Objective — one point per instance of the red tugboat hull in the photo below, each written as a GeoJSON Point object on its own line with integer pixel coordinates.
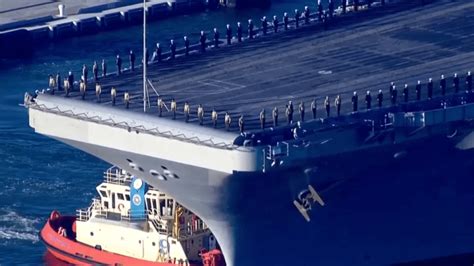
{"type": "Point", "coordinates": [64, 247]}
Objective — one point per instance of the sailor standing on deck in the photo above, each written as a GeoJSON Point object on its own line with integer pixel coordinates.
{"type": "Point", "coordinates": [228, 34]}
{"type": "Point", "coordinates": [456, 82]}
{"type": "Point", "coordinates": [355, 101]}
{"type": "Point", "coordinates": [173, 49]}
{"type": "Point", "coordinates": [468, 82]}
{"type": "Point", "coordinates": [202, 40]}
{"type": "Point", "coordinates": [200, 113]}
{"type": "Point", "coordinates": [338, 103]}
{"type": "Point", "coordinates": [331, 8]}
{"type": "Point", "coordinates": [186, 110]}
{"type": "Point", "coordinates": [418, 90]}
{"type": "Point", "coordinates": [216, 38]}
{"type": "Point", "coordinates": [290, 105]}
{"type": "Point", "coordinates": [301, 108]}
{"type": "Point", "coordinates": [239, 32]}
{"type": "Point", "coordinates": [328, 106]}
{"type": "Point", "coordinates": [264, 25]}
{"type": "Point", "coordinates": [186, 45]}
{"type": "Point", "coordinates": [157, 54]}
{"type": "Point", "coordinates": [275, 116]}
{"type": "Point", "coordinates": [250, 29]}
{"type": "Point", "coordinates": [95, 71]}
{"type": "Point", "coordinates": [320, 11]}
{"type": "Point", "coordinates": [70, 79]}
{"type": "Point", "coordinates": [85, 73]}
{"type": "Point", "coordinates": [405, 93]}
{"type": "Point", "coordinates": [287, 113]}
{"type": "Point", "coordinates": [368, 100]}
{"type": "Point", "coordinates": [306, 15]}
{"type": "Point", "coordinates": [173, 108]}
{"type": "Point", "coordinates": [313, 108]}
{"type": "Point", "coordinates": [262, 119]}
{"type": "Point", "coordinates": [132, 60]}
{"type": "Point", "coordinates": [98, 91]}
{"type": "Point", "coordinates": [104, 68]}
{"type": "Point", "coordinates": [160, 105]}
{"type": "Point", "coordinates": [214, 118]}
{"type": "Point", "coordinates": [227, 121]}
{"type": "Point", "coordinates": [126, 99]}
{"type": "Point", "coordinates": [297, 18]}
{"type": "Point", "coordinates": [285, 20]}
{"type": "Point", "coordinates": [82, 88]}
{"type": "Point", "coordinates": [67, 87]}
{"type": "Point", "coordinates": [442, 85]}
{"type": "Point", "coordinates": [113, 95]}
{"type": "Point", "coordinates": [380, 98]}
{"type": "Point", "coordinates": [118, 62]}
{"type": "Point", "coordinates": [325, 20]}
{"type": "Point", "coordinates": [430, 88]}
{"type": "Point", "coordinates": [58, 81]}
{"type": "Point", "coordinates": [275, 24]}
{"type": "Point", "coordinates": [394, 95]}
{"type": "Point", "coordinates": [241, 123]}
{"type": "Point", "coordinates": [52, 83]}
{"type": "Point", "coordinates": [392, 86]}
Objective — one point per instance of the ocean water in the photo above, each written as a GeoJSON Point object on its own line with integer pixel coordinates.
{"type": "Point", "coordinates": [40, 174]}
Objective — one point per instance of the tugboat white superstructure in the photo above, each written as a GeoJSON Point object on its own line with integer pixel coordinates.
{"type": "Point", "coordinates": [130, 223]}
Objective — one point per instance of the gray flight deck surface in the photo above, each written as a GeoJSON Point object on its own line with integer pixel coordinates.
{"type": "Point", "coordinates": [360, 52]}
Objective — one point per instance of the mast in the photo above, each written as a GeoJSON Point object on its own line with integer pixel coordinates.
{"type": "Point", "coordinates": [144, 56]}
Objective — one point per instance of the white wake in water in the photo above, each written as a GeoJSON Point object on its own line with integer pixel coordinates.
{"type": "Point", "coordinates": [16, 227]}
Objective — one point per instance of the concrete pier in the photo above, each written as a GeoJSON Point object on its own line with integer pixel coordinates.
{"type": "Point", "coordinates": [24, 23]}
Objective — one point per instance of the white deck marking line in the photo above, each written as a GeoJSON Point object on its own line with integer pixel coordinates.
{"type": "Point", "coordinates": [235, 85]}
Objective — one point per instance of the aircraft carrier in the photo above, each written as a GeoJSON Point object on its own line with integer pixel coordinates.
{"type": "Point", "coordinates": [247, 187]}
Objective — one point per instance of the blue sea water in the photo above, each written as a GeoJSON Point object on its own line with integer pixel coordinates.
{"type": "Point", "coordinates": [40, 174]}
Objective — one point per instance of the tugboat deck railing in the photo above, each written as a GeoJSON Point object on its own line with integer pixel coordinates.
{"type": "Point", "coordinates": [115, 175]}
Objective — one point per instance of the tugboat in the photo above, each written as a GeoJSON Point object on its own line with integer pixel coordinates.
{"type": "Point", "coordinates": [131, 223]}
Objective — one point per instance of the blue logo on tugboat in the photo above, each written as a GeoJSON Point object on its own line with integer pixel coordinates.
{"type": "Point", "coordinates": [138, 189]}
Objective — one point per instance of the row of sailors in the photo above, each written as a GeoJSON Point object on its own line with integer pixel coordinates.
{"type": "Point", "coordinates": [289, 109]}
{"type": "Point", "coordinates": [55, 82]}
{"type": "Point", "coordinates": [157, 55]}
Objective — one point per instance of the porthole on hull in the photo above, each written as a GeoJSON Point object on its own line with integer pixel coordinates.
{"type": "Point", "coordinates": [157, 175]}
{"type": "Point", "coordinates": [134, 166]}
{"type": "Point", "coordinates": [169, 173]}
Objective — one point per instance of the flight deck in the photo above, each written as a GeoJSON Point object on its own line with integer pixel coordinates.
{"type": "Point", "coordinates": [359, 51]}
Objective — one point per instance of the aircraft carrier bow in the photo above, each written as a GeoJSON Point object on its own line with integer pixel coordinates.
{"type": "Point", "coordinates": [254, 186]}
